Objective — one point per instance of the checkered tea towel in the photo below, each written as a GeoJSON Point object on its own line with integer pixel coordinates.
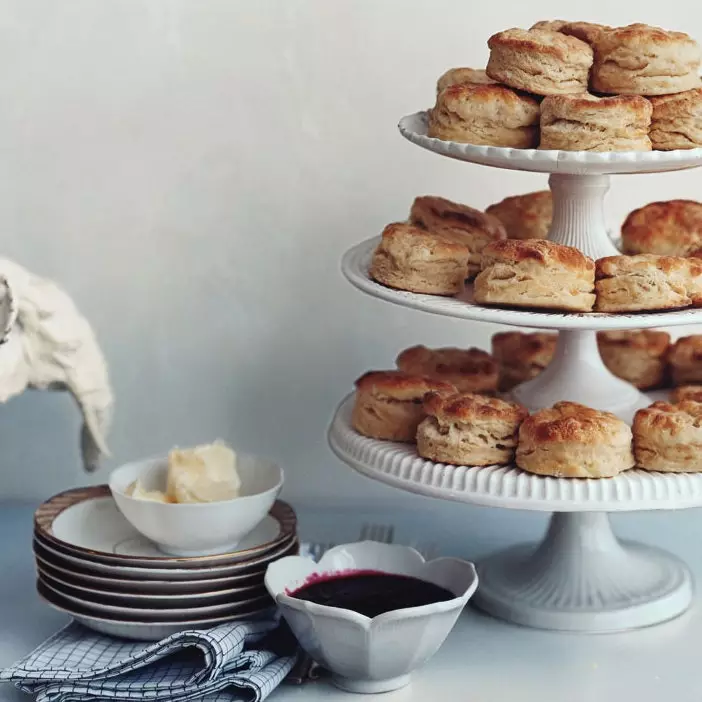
{"type": "Point", "coordinates": [239, 661]}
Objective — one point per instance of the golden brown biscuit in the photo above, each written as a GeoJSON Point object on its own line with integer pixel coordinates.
{"type": "Point", "coordinates": [525, 216]}
{"type": "Point", "coordinates": [639, 357]}
{"type": "Point", "coordinates": [535, 273]}
{"type": "Point", "coordinates": [388, 404]}
{"type": "Point", "coordinates": [686, 392]}
{"type": "Point", "coordinates": [668, 438]}
{"type": "Point", "coordinates": [549, 25]}
{"type": "Point", "coordinates": [685, 359]}
{"type": "Point", "coordinates": [539, 61]}
{"type": "Point", "coordinates": [460, 76]}
{"type": "Point", "coordinates": [585, 31]}
{"type": "Point", "coordinates": [588, 123]}
{"type": "Point", "coordinates": [469, 430]}
{"type": "Point", "coordinates": [414, 259]}
{"type": "Point", "coordinates": [468, 370]}
{"type": "Point", "coordinates": [668, 228]}
{"type": "Point", "coordinates": [485, 114]}
{"type": "Point", "coordinates": [647, 282]}
{"type": "Point", "coordinates": [571, 440]}
{"type": "Point", "coordinates": [460, 223]}
{"type": "Point", "coordinates": [588, 32]}
{"type": "Point", "coordinates": [644, 60]}
{"type": "Point", "coordinates": [521, 356]}
{"type": "Point", "coordinates": [676, 122]}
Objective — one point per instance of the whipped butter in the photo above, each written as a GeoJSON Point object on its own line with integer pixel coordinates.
{"type": "Point", "coordinates": [205, 473]}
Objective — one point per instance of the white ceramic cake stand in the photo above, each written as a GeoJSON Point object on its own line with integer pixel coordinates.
{"type": "Point", "coordinates": [580, 577]}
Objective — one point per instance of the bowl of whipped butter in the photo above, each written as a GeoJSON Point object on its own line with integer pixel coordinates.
{"type": "Point", "coordinates": [198, 501]}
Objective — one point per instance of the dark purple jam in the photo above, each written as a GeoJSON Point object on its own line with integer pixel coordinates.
{"type": "Point", "coordinates": [371, 592]}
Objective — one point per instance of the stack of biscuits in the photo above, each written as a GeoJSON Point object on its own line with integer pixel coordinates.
{"type": "Point", "coordinates": [443, 244]}
{"type": "Point", "coordinates": [445, 402]}
{"type": "Point", "coordinates": [576, 86]}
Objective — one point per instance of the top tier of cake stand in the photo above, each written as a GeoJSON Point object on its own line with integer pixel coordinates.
{"type": "Point", "coordinates": [415, 128]}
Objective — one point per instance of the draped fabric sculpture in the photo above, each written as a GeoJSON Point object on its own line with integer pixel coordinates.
{"type": "Point", "coordinates": [48, 345]}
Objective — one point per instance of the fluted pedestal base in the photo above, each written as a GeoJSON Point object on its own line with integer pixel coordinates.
{"type": "Point", "coordinates": [581, 578]}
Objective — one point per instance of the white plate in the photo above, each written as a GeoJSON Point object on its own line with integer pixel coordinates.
{"type": "Point", "coordinates": [414, 128]}
{"type": "Point", "coordinates": [172, 574]}
{"type": "Point", "coordinates": [134, 628]}
{"type": "Point", "coordinates": [356, 261]}
{"type": "Point", "coordinates": [399, 465]}
{"type": "Point", "coordinates": [130, 599]}
{"type": "Point", "coordinates": [157, 587]}
{"type": "Point", "coordinates": [151, 614]}
{"type": "Point", "coordinates": [87, 523]}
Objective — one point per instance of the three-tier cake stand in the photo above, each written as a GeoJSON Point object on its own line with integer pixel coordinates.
{"type": "Point", "coordinates": [580, 577]}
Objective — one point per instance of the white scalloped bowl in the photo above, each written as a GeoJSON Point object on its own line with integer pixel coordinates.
{"type": "Point", "coordinates": [363, 654]}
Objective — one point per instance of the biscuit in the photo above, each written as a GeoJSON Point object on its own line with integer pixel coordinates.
{"type": "Point", "coordinates": [668, 438]}
{"type": "Point", "coordinates": [676, 122]}
{"type": "Point", "coordinates": [388, 404]}
{"type": "Point", "coordinates": [585, 31]}
{"type": "Point", "coordinates": [414, 259]}
{"type": "Point", "coordinates": [539, 61]}
{"type": "Point", "coordinates": [668, 228]}
{"type": "Point", "coordinates": [644, 60]}
{"type": "Point", "coordinates": [589, 123]}
{"type": "Point", "coordinates": [525, 216]}
{"type": "Point", "coordinates": [685, 359]}
{"type": "Point", "coordinates": [494, 115]}
{"type": "Point", "coordinates": [521, 356]}
{"type": "Point", "coordinates": [469, 370]}
{"type": "Point", "coordinates": [469, 430]}
{"type": "Point", "coordinates": [535, 273]}
{"type": "Point", "coordinates": [570, 440]}
{"type": "Point", "coordinates": [647, 282]}
{"type": "Point", "coordinates": [686, 392]}
{"type": "Point", "coordinates": [459, 223]}
{"type": "Point", "coordinates": [639, 357]}
{"type": "Point", "coordinates": [459, 76]}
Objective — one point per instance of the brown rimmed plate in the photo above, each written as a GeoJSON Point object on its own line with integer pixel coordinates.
{"type": "Point", "coordinates": [86, 522]}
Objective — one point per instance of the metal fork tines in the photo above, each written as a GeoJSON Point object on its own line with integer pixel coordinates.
{"type": "Point", "coordinates": [317, 549]}
{"type": "Point", "coordinates": [383, 533]}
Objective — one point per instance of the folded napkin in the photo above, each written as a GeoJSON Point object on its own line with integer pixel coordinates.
{"type": "Point", "coordinates": [237, 661]}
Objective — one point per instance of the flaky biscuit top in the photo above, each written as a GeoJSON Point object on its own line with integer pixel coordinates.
{"type": "Point", "coordinates": [672, 419]}
{"type": "Point", "coordinates": [438, 213]}
{"type": "Point", "coordinates": [540, 251]}
{"type": "Point", "coordinates": [400, 386]}
{"type": "Point", "coordinates": [447, 360]}
{"type": "Point", "coordinates": [496, 104]}
{"type": "Point", "coordinates": [655, 343]}
{"type": "Point", "coordinates": [573, 422]}
{"type": "Point", "coordinates": [674, 223]}
{"type": "Point", "coordinates": [467, 407]}
{"type": "Point", "coordinates": [561, 46]}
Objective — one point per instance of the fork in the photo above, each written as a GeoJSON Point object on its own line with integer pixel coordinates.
{"type": "Point", "coordinates": [383, 533]}
{"type": "Point", "coordinates": [428, 549]}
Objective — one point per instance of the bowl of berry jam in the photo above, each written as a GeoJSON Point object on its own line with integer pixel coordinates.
{"type": "Point", "coordinates": [371, 613]}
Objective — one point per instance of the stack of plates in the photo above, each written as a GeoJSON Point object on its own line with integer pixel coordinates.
{"type": "Point", "coordinates": [93, 565]}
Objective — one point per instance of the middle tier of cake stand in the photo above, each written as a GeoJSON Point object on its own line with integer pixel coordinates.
{"type": "Point", "coordinates": [576, 372]}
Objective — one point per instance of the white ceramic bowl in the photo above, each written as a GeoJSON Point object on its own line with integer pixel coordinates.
{"type": "Point", "coordinates": [363, 654]}
{"type": "Point", "coordinates": [197, 529]}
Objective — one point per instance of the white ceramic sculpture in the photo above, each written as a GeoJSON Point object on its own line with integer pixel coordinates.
{"type": "Point", "coordinates": [51, 346]}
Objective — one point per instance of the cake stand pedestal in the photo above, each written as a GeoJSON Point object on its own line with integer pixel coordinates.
{"type": "Point", "coordinates": [580, 577]}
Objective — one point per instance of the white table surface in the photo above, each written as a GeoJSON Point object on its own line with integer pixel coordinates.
{"type": "Point", "coordinates": [483, 660]}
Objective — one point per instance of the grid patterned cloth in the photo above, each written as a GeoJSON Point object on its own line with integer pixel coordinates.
{"type": "Point", "coordinates": [237, 661]}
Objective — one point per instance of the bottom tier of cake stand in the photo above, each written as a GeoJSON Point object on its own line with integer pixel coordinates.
{"type": "Point", "coordinates": [582, 578]}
